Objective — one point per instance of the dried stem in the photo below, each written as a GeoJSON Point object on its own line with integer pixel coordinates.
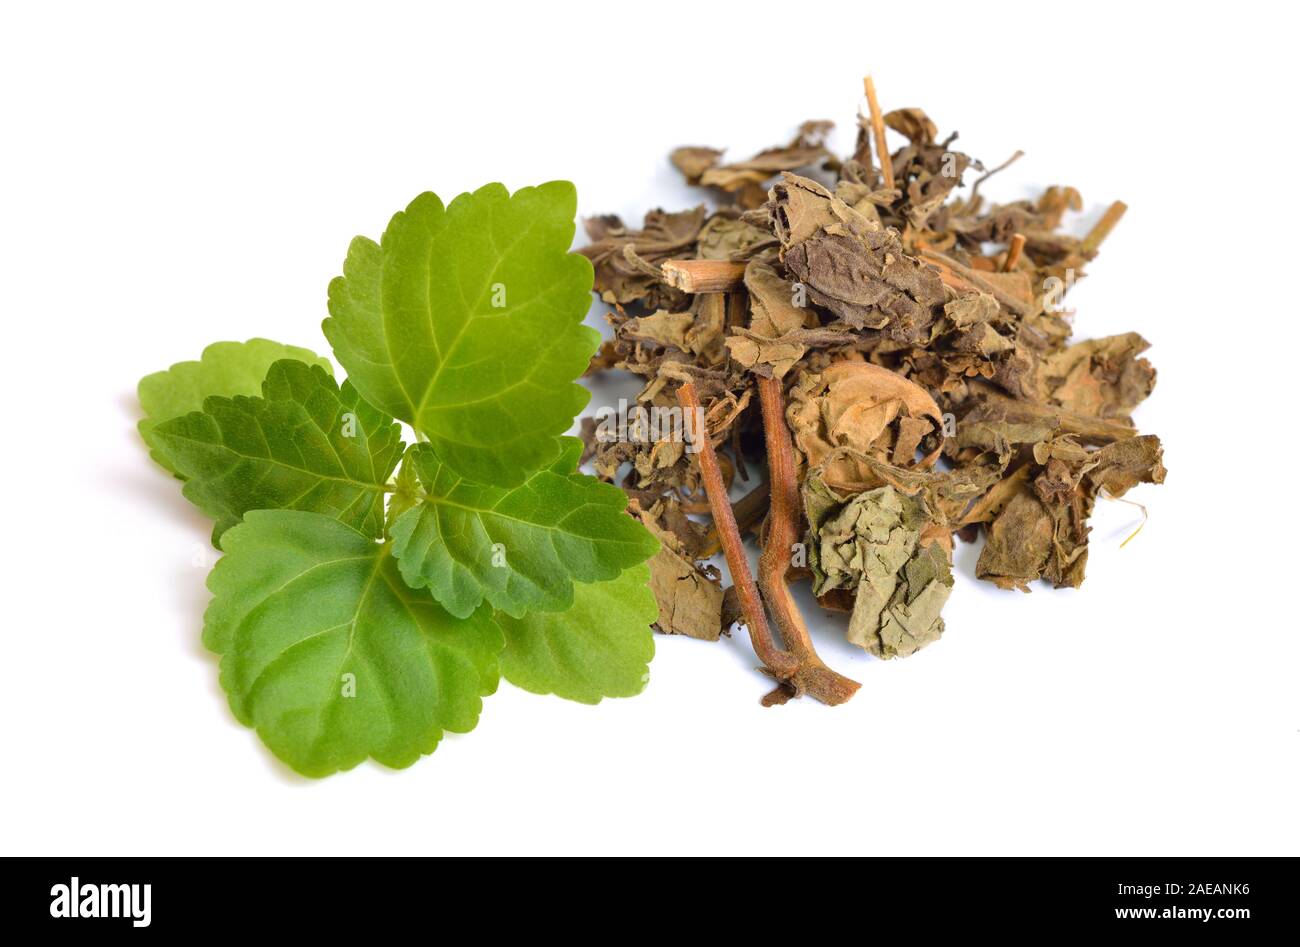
{"type": "Point", "coordinates": [738, 308]}
{"type": "Point", "coordinates": [878, 126]}
{"type": "Point", "coordinates": [1013, 252]}
{"type": "Point", "coordinates": [813, 676]}
{"type": "Point", "coordinates": [704, 276]}
{"type": "Point", "coordinates": [975, 188]}
{"type": "Point", "coordinates": [1104, 226]}
{"type": "Point", "coordinates": [781, 663]}
{"type": "Point", "coordinates": [979, 282]}
{"type": "Point", "coordinates": [1107, 495]}
{"type": "Point", "coordinates": [748, 510]}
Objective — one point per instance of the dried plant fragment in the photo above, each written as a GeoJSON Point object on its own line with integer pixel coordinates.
{"type": "Point", "coordinates": [866, 408]}
{"type": "Point", "coordinates": [690, 602]}
{"type": "Point", "coordinates": [728, 236]}
{"type": "Point", "coordinates": [1103, 377]}
{"type": "Point", "coordinates": [1042, 532]}
{"type": "Point", "coordinates": [625, 277]}
{"type": "Point", "coordinates": [874, 545]}
{"type": "Point", "coordinates": [851, 265]}
{"type": "Point", "coordinates": [745, 180]}
{"type": "Point", "coordinates": [689, 599]}
{"type": "Point", "coordinates": [772, 343]}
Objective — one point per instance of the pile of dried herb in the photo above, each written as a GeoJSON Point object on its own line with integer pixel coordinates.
{"type": "Point", "coordinates": [896, 350]}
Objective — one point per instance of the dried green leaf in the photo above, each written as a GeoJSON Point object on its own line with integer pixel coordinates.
{"type": "Point", "coordinates": [872, 545]}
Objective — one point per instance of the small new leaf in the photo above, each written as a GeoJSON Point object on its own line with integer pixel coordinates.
{"type": "Point", "coordinates": [224, 368]}
{"type": "Point", "coordinates": [519, 548]}
{"type": "Point", "coordinates": [466, 322]}
{"type": "Point", "coordinates": [600, 646]}
{"type": "Point", "coordinates": [306, 444]}
{"type": "Point", "coordinates": [330, 656]}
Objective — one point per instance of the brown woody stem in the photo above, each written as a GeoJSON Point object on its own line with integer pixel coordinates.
{"type": "Point", "coordinates": [974, 279]}
{"type": "Point", "coordinates": [1104, 226]}
{"type": "Point", "coordinates": [878, 126]}
{"type": "Point", "coordinates": [704, 276]}
{"type": "Point", "coordinates": [813, 677]}
{"type": "Point", "coordinates": [748, 510]}
{"type": "Point", "coordinates": [1013, 252]}
{"type": "Point", "coordinates": [738, 307]}
{"type": "Point", "coordinates": [781, 663]}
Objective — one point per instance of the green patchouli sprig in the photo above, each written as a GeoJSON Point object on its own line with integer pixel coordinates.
{"type": "Point", "coordinates": [371, 592]}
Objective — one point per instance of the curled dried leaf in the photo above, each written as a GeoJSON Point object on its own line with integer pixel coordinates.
{"type": "Point", "coordinates": [850, 264]}
{"type": "Point", "coordinates": [690, 599]}
{"type": "Point", "coordinates": [868, 409]}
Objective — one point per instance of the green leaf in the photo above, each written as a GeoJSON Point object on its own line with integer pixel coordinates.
{"type": "Point", "coordinates": [330, 656]}
{"type": "Point", "coordinates": [305, 444]}
{"type": "Point", "coordinates": [518, 548]}
{"type": "Point", "coordinates": [224, 368]}
{"type": "Point", "coordinates": [466, 322]}
{"type": "Point", "coordinates": [600, 647]}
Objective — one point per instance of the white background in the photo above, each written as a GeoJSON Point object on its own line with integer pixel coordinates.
{"type": "Point", "coordinates": [172, 176]}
